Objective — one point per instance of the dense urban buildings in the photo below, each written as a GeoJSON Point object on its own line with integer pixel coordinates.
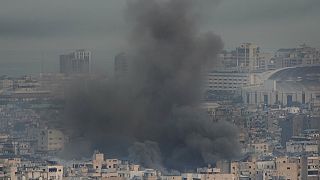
{"type": "Point", "coordinates": [303, 55]}
{"type": "Point", "coordinates": [276, 109]}
{"type": "Point", "coordinates": [248, 68]}
{"type": "Point", "coordinates": [248, 57]}
{"type": "Point", "coordinates": [251, 58]}
{"type": "Point", "coordinates": [160, 90]}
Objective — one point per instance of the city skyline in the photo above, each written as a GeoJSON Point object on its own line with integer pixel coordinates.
{"type": "Point", "coordinates": [42, 30]}
{"type": "Point", "coordinates": [48, 62]}
{"type": "Point", "coordinates": [159, 90]}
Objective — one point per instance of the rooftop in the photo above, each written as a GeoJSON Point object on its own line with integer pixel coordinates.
{"type": "Point", "coordinates": [303, 73]}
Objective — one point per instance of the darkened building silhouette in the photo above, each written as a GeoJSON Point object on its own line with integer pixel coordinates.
{"type": "Point", "coordinates": [121, 66]}
{"type": "Point", "coordinates": [292, 126]}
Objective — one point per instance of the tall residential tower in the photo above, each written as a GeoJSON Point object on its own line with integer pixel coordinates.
{"type": "Point", "coordinates": [78, 62]}
{"type": "Point", "coordinates": [121, 66]}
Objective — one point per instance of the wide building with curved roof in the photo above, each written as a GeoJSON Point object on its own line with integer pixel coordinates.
{"type": "Point", "coordinates": [286, 87]}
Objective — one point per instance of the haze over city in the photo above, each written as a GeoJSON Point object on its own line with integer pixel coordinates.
{"type": "Point", "coordinates": [36, 30]}
{"type": "Point", "coordinates": [160, 90]}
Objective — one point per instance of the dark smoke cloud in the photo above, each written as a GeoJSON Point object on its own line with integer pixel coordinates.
{"type": "Point", "coordinates": [147, 153]}
{"type": "Point", "coordinates": [153, 113]}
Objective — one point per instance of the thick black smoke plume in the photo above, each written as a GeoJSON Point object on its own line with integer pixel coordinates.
{"type": "Point", "coordinates": [152, 116]}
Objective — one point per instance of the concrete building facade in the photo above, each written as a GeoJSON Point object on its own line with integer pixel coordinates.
{"type": "Point", "coordinates": [50, 140]}
{"type": "Point", "coordinates": [285, 87]}
{"type": "Point", "coordinates": [78, 62]}
{"type": "Point", "coordinates": [121, 66]}
{"type": "Point", "coordinates": [303, 55]}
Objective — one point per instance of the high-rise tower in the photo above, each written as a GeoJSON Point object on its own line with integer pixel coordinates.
{"type": "Point", "coordinates": [78, 62]}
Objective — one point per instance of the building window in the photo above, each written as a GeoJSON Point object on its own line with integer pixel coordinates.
{"type": "Point", "coordinates": [265, 99]}
{"type": "Point", "coordinates": [255, 98]}
{"type": "Point", "coordinates": [289, 100]}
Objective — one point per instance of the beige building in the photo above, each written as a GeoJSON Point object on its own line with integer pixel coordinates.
{"type": "Point", "coordinates": [313, 168]}
{"type": "Point", "coordinates": [97, 161]}
{"type": "Point", "coordinates": [218, 176]}
{"type": "Point", "coordinates": [51, 140]}
{"type": "Point", "coordinates": [287, 169]}
{"type": "Point", "coordinates": [279, 168]}
{"type": "Point", "coordinates": [246, 56]}
{"type": "Point", "coordinates": [260, 148]}
{"type": "Point", "coordinates": [6, 83]}
{"type": "Point", "coordinates": [208, 173]}
{"type": "Point", "coordinates": [302, 55]}
{"type": "Point", "coordinates": [9, 168]}
{"type": "Point", "coordinates": [171, 178]}
{"type": "Point", "coordinates": [302, 147]}
{"type": "Point", "coordinates": [50, 172]}
{"type": "Point", "coordinates": [111, 169]}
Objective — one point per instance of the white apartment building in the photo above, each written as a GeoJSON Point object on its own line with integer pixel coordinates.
{"type": "Point", "coordinates": [78, 62]}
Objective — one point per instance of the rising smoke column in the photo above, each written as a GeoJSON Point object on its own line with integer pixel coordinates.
{"type": "Point", "coordinates": [152, 116]}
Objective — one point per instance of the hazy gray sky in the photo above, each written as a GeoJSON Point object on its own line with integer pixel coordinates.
{"type": "Point", "coordinates": [31, 30]}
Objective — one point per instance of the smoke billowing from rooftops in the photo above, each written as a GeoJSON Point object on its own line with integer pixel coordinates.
{"type": "Point", "coordinates": [152, 116]}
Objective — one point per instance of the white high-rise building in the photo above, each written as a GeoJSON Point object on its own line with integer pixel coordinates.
{"type": "Point", "coordinates": [78, 62]}
{"type": "Point", "coordinates": [247, 56]}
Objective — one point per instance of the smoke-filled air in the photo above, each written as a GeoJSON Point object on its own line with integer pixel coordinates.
{"type": "Point", "coordinates": [152, 116]}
